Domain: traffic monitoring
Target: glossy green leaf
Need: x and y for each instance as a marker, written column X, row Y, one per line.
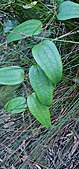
column 68, row 10
column 16, row 105
column 41, row 84
column 27, row 28
column 48, row 58
column 11, row 75
column 39, row 111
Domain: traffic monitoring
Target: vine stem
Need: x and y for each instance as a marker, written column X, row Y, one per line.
column 67, row 34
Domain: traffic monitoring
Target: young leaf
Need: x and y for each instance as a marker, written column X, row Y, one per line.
column 11, row 75
column 39, row 111
column 48, row 58
column 27, row 28
column 68, row 10
column 41, row 84
column 16, row 105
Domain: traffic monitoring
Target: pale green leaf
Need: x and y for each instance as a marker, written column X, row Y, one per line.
column 39, row 111
column 68, row 10
column 11, row 75
column 25, row 29
column 41, row 84
column 16, row 105
column 48, row 58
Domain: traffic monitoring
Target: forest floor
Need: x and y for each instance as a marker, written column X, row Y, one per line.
column 24, row 143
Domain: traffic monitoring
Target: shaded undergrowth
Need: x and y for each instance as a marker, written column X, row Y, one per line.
column 24, row 142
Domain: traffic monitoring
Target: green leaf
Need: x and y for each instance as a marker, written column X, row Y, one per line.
column 41, row 84
column 16, row 105
column 39, row 111
column 48, row 58
column 11, row 75
column 68, row 10
column 27, row 28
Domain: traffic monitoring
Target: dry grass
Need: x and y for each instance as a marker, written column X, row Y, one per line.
column 25, row 144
